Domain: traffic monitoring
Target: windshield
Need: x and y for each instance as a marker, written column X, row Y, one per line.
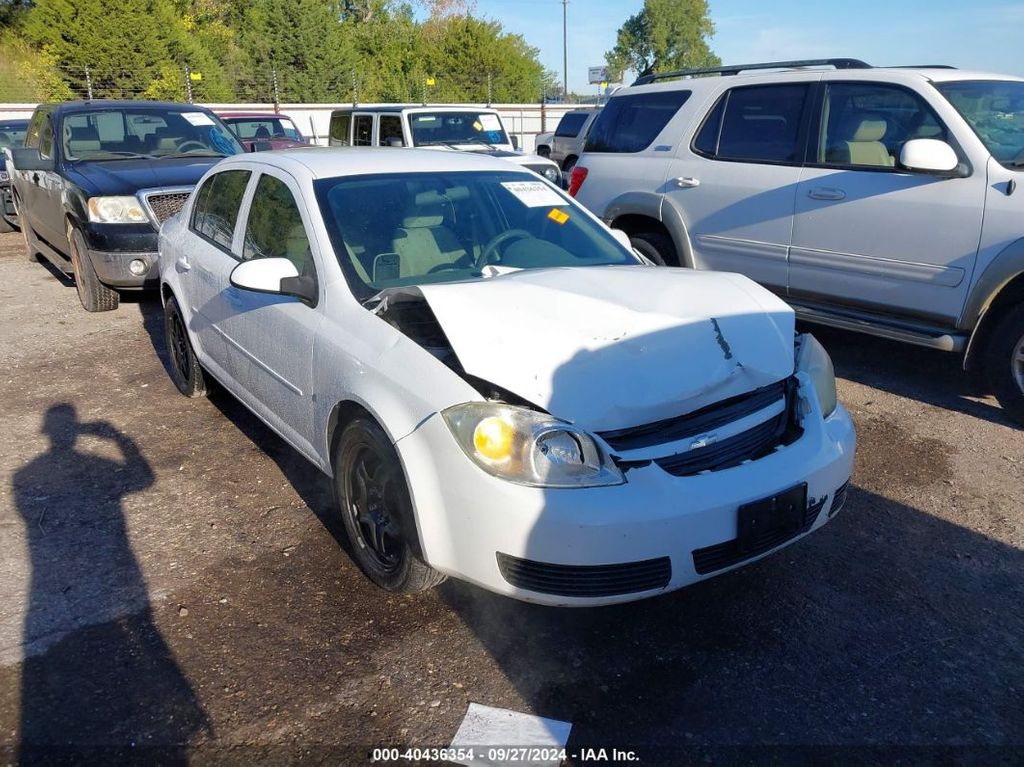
column 250, row 128
column 440, row 128
column 146, row 132
column 393, row 230
column 995, row 110
column 13, row 134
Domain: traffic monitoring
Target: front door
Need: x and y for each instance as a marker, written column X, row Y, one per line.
column 870, row 235
column 736, row 184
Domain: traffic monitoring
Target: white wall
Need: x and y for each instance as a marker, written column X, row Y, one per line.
column 523, row 120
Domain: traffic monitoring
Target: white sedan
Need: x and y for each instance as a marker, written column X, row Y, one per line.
column 501, row 390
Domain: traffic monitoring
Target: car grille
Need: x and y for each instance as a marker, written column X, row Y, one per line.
column 698, row 422
column 165, row 205
column 586, row 580
column 723, row 555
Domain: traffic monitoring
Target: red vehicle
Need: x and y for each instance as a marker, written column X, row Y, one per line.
column 264, row 130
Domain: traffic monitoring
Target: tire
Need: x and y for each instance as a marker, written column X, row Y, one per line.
column 94, row 295
column 6, row 226
column 569, row 164
column 544, row 151
column 372, row 496
column 184, row 367
column 657, row 247
column 1004, row 363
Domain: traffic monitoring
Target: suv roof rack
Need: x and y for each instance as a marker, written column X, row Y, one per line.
column 651, row 77
column 923, row 66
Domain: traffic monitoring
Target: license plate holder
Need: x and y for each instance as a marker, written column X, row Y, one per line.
column 780, row 512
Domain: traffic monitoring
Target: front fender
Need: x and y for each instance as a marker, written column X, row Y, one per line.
column 658, row 207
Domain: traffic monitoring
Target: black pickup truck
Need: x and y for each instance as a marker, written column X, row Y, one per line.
column 96, row 179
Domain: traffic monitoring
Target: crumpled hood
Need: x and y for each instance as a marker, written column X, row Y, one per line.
column 113, row 177
column 617, row 346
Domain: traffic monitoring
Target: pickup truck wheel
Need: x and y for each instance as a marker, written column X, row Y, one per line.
column 94, row 295
column 186, row 372
column 1004, row 363
column 373, row 497
column 657, row 247
column 5, row 226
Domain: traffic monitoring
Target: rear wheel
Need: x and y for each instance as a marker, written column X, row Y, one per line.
column 184, row 367
column 1004, row 363
column 658, row 247
column 94, row 295
column 373, row 498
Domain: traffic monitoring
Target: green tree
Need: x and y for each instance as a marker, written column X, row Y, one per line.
column 665, row 35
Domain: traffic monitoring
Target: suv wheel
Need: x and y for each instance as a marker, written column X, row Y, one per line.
column 658, row 247
column 94, row 295
column 373, row 497
column 1004, row 363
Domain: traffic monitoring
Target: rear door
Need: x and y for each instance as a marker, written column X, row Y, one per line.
column 735, row 183
column 207, row 262
column 870, row 235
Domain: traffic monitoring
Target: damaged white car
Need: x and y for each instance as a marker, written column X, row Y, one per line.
column 500, row 388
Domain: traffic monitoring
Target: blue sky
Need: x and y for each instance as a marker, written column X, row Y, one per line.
column 976, row 34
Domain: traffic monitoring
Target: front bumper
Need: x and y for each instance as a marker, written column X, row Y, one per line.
column 489, row 531
column 113, row 248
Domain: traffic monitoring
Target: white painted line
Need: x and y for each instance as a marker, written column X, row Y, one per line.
column 484, row 727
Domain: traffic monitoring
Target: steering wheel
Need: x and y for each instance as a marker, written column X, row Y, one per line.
column 191, row 146
column 498, row 240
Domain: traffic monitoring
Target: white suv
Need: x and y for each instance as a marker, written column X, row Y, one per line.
column 874, row 199
column 565, row 145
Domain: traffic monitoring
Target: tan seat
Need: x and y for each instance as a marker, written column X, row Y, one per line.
column 862, row 144
column 423, row 242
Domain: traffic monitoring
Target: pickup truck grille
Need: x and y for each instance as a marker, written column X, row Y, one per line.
column 163, row 205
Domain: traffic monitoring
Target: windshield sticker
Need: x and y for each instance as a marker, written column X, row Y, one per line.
column 534, row 194
column 490, row 122
column 197, row 118
column 478, row 126
column 558, row 216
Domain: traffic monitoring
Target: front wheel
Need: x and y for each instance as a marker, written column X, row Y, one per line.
column 1004, row 363
column 94, row 295
column 373, row 498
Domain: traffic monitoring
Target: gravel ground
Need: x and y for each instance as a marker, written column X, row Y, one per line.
column 173, row 576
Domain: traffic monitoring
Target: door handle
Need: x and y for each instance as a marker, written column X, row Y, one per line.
column 182, row 264
column 827, row 193
column 687, row 182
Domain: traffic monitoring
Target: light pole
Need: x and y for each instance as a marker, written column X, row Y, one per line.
column 565, row 51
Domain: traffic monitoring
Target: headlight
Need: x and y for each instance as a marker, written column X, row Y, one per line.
column 529, row 448
column 4, row 176
column 814, row 360
column 116, row 210
column 552, row 174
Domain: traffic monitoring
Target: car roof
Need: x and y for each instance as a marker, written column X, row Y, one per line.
column 111, row 104
column 260, row 115
column 329, row 162
column 415, row 107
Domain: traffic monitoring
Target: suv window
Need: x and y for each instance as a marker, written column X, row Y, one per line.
column 340, row 124
column 759, row 123
column 570, row 124
column 217, row 203
column 275, row 228
column 866, row 124
column 390, row 126
column 631, row 123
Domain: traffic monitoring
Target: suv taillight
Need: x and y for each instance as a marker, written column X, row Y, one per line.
column 579, row 175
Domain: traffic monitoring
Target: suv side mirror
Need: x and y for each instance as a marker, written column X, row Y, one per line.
column 929, row 155
column 276, row 276
column 28, row 158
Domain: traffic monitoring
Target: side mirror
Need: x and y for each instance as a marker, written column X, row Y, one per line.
column 515, row 143
column 28, row 158
column 276, row 276
column 929, row 155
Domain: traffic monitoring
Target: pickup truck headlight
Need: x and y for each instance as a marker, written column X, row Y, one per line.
column 117, row 210
column 811, row 358
column 529, row 448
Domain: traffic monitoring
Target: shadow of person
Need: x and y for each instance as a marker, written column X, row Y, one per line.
column 96, row 671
